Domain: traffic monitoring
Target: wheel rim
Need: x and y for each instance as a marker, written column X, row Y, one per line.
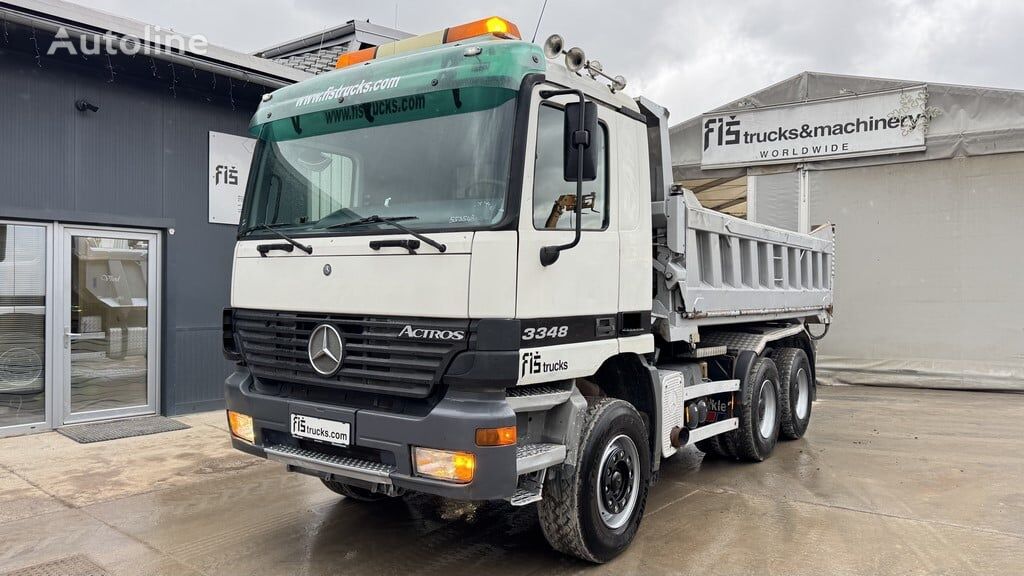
column 766, row 409
column 618, row 482
column 803, row 394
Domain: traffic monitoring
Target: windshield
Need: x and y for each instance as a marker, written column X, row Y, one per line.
column 437, row 161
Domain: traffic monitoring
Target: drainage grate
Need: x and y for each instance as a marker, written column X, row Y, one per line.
column 114, row 429
column 77, row 565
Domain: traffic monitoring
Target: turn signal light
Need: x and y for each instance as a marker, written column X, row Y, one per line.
column 241, row 426
column 496, row 436
column 444, row 464
column 350, row 58
column 494, row 25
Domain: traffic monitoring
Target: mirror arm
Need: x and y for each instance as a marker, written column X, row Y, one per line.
column 549, row 254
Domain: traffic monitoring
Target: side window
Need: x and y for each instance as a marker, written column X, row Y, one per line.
column 3, row 242
column 554, row 199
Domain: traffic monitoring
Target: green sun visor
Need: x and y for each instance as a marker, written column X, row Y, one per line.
column 435, row 82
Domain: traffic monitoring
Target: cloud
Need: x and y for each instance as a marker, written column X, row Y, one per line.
column 689, row 55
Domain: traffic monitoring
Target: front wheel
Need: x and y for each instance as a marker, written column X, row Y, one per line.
column 592, row 507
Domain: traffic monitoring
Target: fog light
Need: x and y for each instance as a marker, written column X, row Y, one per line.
column 496, row 436
column 444, row 465
column 241, row 426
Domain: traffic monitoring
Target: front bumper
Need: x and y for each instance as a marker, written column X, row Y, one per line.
column 450, row 425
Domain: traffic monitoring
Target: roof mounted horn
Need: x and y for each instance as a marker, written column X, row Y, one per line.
column 576, row 60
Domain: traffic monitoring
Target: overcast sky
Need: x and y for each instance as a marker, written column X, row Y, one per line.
column 689, row 55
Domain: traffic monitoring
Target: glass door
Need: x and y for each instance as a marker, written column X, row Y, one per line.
column 24, row 298
column 109, row 304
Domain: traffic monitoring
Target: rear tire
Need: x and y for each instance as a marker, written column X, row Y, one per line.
column 592, row 507
column 353, row 492
column 796, row 390
column 759, row 413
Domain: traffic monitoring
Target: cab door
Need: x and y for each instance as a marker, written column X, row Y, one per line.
column 573, row 301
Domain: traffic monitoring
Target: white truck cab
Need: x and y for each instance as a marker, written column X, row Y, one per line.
column 462, row 269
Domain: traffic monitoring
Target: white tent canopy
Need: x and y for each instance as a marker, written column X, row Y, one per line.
column 929, row 266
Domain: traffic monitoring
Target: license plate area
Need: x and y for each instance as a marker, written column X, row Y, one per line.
column 322, row 430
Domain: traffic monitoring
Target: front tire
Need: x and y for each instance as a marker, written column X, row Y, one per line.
column 592, row 507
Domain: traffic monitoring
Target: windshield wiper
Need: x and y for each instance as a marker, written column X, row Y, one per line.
column 252, row 229
column 263, row 248
column 393, row 221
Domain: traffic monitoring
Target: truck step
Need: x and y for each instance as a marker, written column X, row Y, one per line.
column 524, row 496
column 365, row 470
column 530, row 488
column 534, row 457
column 536, row 398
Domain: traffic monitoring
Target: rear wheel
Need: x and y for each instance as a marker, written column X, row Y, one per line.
column 795, row 388
column 759, row 413
column 592, row 507
column 353, row 492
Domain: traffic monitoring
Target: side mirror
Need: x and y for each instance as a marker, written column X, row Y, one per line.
column 580, row 160
column 576, row 133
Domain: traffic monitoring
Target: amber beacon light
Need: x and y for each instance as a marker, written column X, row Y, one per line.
column 494, row 26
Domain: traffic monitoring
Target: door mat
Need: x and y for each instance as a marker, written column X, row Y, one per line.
column 114, row 429
column 77, row 565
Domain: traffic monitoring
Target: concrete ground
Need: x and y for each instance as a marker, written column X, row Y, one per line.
column 887, row 481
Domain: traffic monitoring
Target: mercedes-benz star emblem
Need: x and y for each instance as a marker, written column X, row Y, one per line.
column 326, row 349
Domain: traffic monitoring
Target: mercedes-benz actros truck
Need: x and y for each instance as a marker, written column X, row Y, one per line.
column 463, row 269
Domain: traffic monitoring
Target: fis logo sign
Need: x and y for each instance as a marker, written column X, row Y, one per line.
column 533, row 363
column 723, row 132
column 225, row 175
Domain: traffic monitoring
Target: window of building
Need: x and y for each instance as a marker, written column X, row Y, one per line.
column 554, row 198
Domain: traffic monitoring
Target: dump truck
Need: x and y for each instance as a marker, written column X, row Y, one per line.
column 463, row 269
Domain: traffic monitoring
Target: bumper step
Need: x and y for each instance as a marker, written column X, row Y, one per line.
column 365, row 470
column 526, row 495
column 536, row 398
column 534, row 457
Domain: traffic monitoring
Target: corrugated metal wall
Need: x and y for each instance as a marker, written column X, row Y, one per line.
column 141, row 160
column 930, row 272
column 776, row 199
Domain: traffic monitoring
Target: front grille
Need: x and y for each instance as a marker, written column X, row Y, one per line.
column 376, row 359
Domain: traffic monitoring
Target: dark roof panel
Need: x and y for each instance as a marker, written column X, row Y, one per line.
column 317, row 53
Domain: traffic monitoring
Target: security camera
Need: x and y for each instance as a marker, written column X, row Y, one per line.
column 83, row 105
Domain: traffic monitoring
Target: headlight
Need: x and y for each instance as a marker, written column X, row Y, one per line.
column 444, row 465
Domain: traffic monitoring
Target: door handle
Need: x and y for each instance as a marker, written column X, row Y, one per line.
column 67, row 337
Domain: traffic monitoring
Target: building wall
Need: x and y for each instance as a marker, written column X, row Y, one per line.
column 930, row 272
column 775, row 199
column 140, row 161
